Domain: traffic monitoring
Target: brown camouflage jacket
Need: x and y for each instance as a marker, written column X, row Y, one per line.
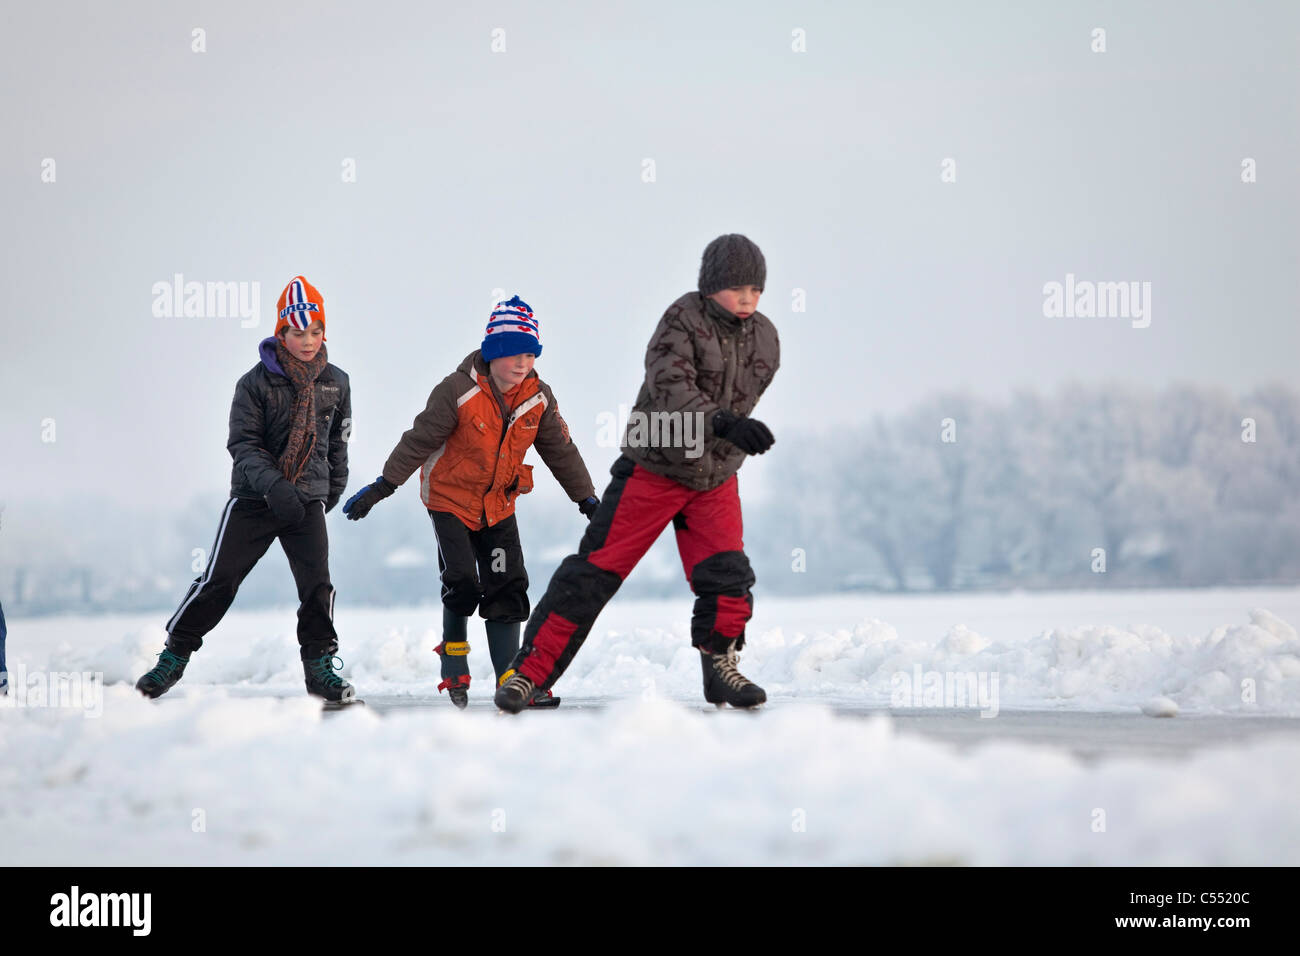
column 701, row 358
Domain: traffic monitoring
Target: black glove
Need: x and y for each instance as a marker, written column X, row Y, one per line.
column 330, row 502
column 359, row 505
column 284, row 500
column 588, row 506
column 748, row 434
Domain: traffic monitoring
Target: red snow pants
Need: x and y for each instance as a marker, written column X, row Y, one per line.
column 636, row 507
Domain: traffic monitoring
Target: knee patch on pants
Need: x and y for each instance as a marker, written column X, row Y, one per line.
column 579, row 589
column 723, row 600
column 577, row 593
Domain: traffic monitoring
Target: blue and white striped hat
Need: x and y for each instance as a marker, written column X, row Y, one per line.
column 511, row 330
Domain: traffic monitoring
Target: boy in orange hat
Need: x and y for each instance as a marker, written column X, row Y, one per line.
column 287, row 425
column 469, row 445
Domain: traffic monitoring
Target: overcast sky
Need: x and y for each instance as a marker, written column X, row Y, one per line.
column 524, row 170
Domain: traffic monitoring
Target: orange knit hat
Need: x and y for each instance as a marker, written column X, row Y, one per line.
column 300, row 304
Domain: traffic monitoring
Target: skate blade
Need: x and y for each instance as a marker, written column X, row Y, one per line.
column 342, row 704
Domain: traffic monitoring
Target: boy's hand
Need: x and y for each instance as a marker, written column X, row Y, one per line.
column 359, row 505
column 748, row 434
column 588, row 506
column 285, row 502
column 330, row 502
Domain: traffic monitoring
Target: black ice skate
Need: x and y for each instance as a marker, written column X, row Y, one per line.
column 544, row 699
column 457, row 689
column 515, row 692
column 164, row 675
column 723, row 684
column 540, row 699
column 323, row 682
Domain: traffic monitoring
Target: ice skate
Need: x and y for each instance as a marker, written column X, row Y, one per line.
column 457, row 689
column 515, row 692
column 724, row 684
column 164, row 675
column 324, row 683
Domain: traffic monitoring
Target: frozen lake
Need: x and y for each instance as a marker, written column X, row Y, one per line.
column 237, row 766
column 1086, row 735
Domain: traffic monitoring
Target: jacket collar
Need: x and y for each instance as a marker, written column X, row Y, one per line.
column 728, row 320
column 266, row 353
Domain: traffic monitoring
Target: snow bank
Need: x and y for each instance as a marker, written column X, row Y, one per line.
column 1240, row 668
column 209, row 778
column 1102, row 667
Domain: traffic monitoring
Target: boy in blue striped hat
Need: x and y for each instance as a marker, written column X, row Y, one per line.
column 469, row 445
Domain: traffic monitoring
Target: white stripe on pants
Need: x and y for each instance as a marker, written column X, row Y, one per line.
column 207, row 572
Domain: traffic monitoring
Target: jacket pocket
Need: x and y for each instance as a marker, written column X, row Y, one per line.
column 324, row 425
column 710, row 367
column 522, row 482
column 447, row 469
column 476, row 453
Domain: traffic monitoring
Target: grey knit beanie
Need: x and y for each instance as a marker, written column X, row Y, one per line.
column 731, row 260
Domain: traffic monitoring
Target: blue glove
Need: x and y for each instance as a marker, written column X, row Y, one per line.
column 588, row 506
column 359, row 505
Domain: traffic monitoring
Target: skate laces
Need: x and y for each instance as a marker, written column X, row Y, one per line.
column 519, row 684
column 323, row 669
column 724, row 665
column 168, row 664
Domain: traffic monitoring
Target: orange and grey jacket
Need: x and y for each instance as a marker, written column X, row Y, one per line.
column 471, row 457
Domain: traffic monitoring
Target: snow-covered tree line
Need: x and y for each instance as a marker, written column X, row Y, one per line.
column 1185, row 486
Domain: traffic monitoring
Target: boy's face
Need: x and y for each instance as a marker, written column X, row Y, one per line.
column 304, row 344
column 740, row 300
column 509, row 370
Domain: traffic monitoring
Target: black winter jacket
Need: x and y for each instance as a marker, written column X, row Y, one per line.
column 259, row 430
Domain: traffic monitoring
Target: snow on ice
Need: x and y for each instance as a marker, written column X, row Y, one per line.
column 237, row 766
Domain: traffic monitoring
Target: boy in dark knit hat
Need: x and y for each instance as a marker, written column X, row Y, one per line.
column 288, row 427
column 469, row 445
column 711, row 357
